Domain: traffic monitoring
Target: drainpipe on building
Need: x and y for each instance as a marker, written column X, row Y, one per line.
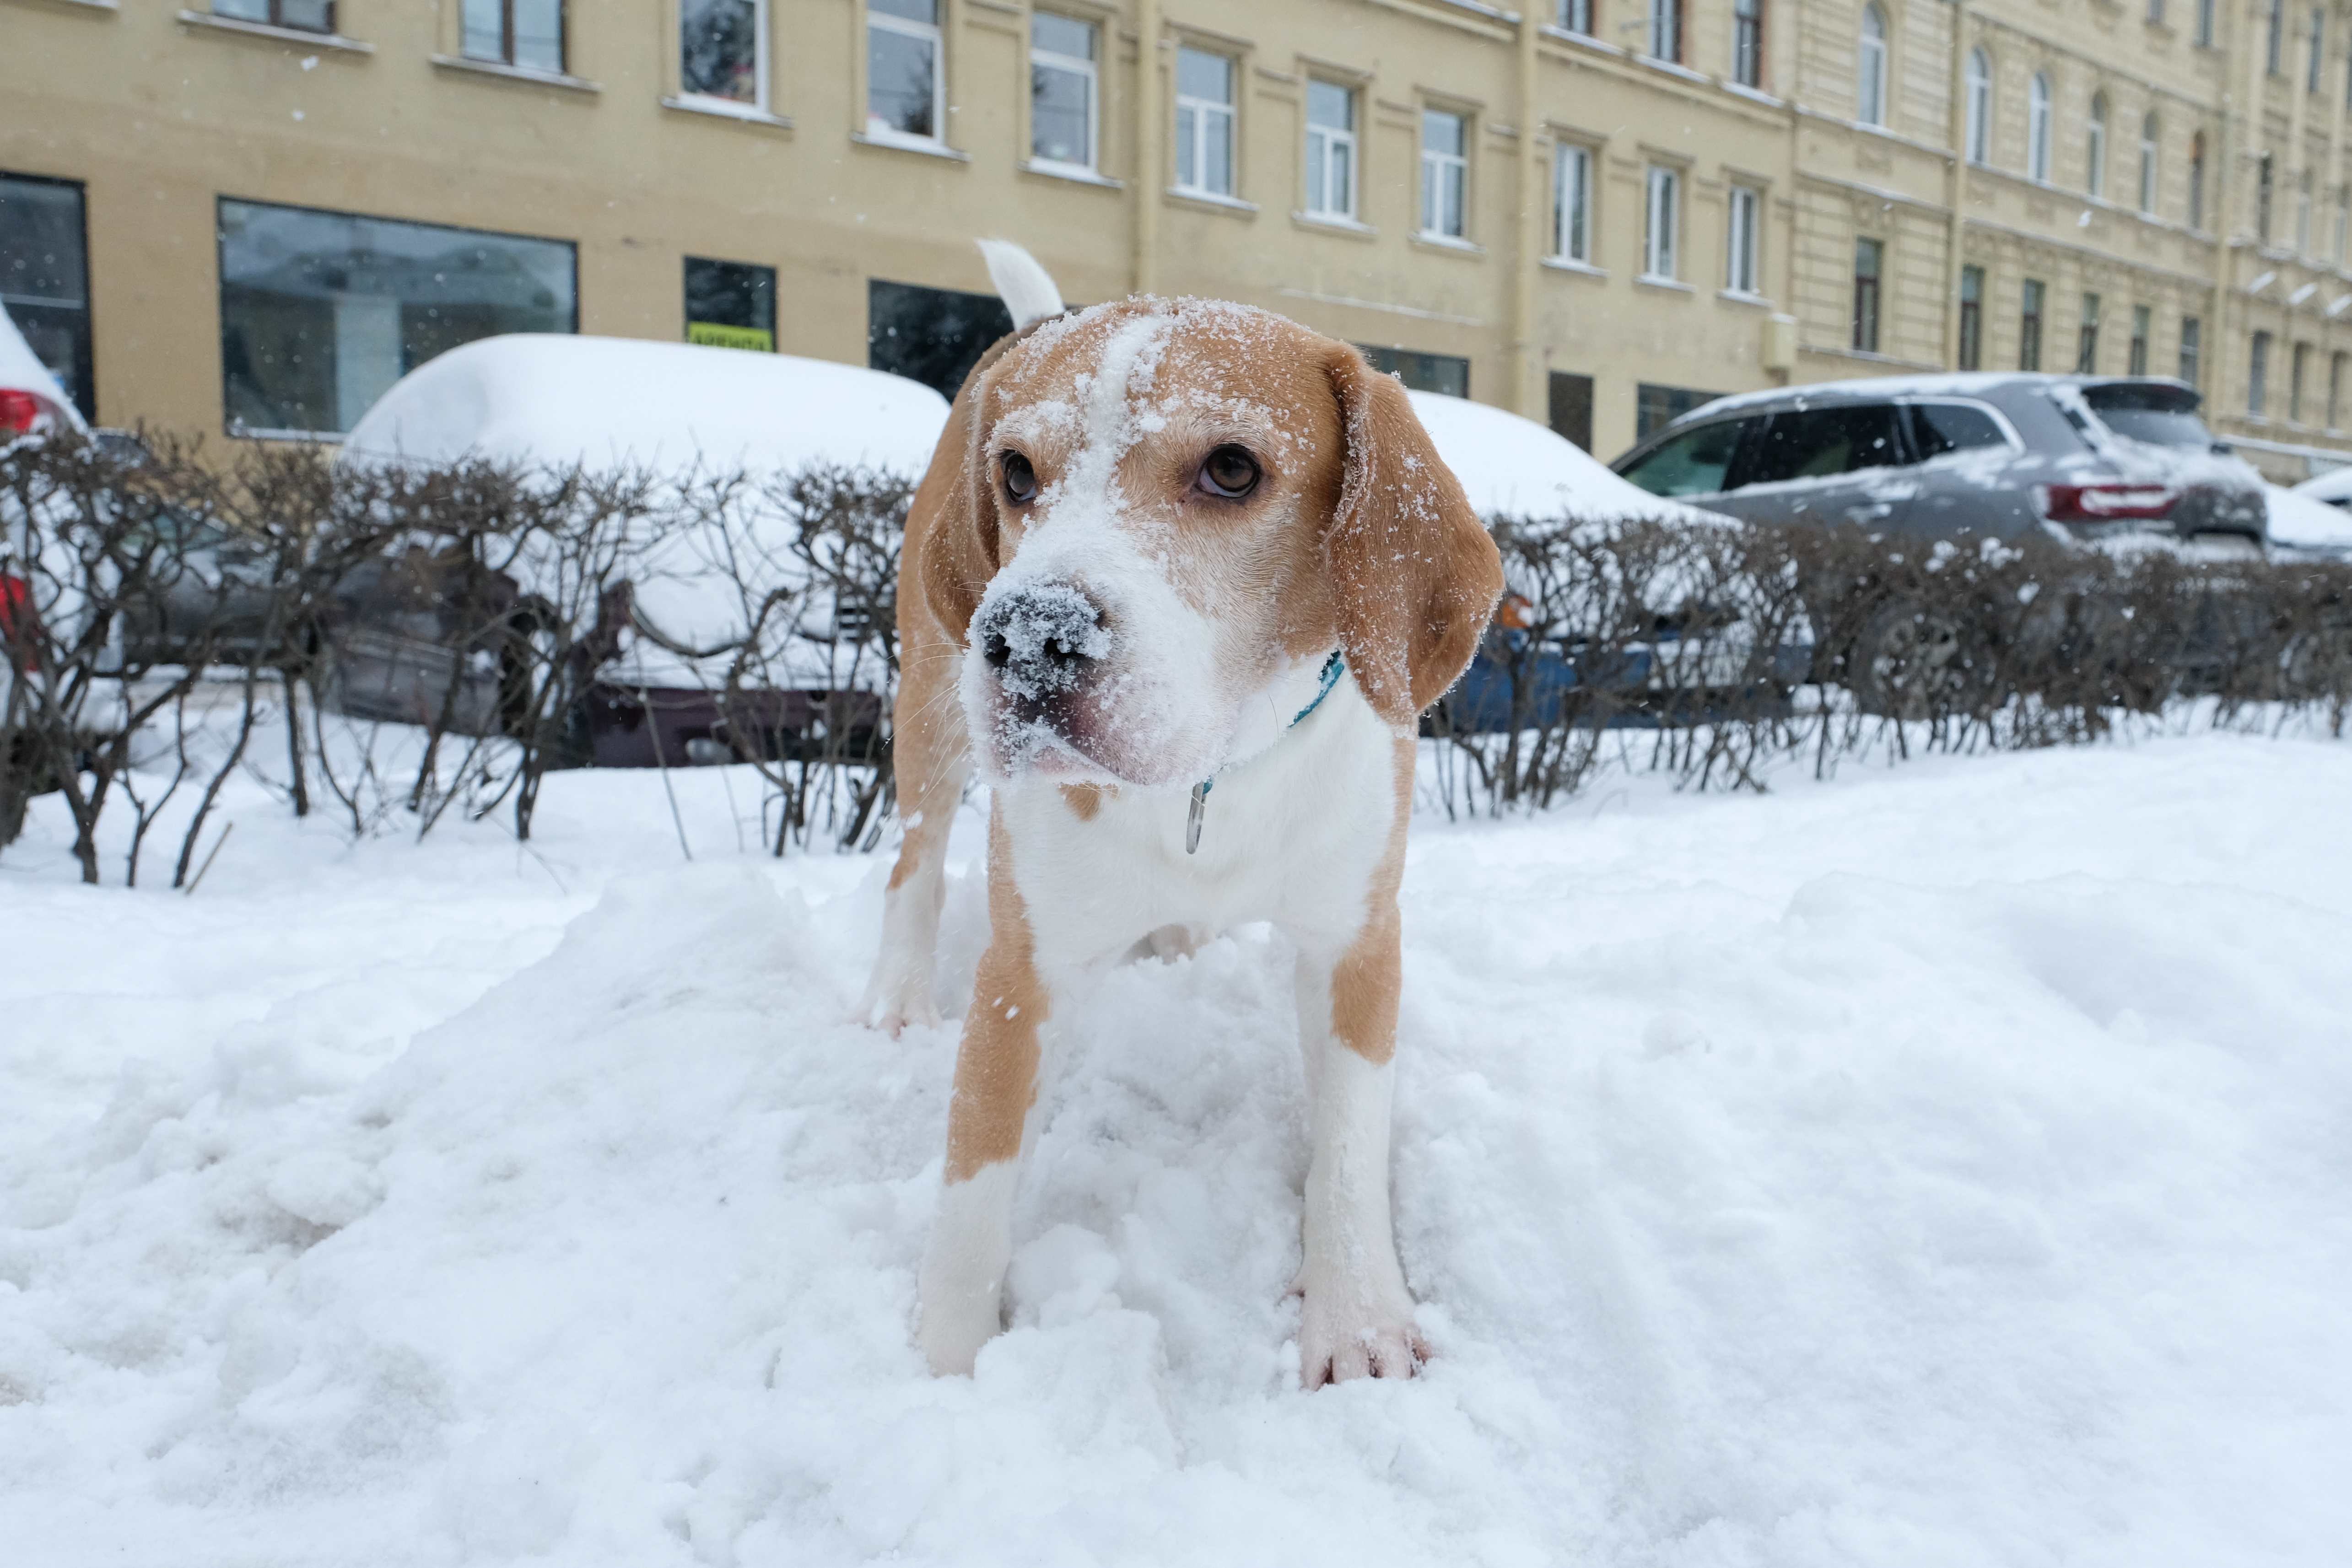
column 1150, row 159
column 1527, row 354
column 1956, row 133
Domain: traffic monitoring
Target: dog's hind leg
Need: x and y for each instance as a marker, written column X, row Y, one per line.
column 999, row 1082
column 933, row 763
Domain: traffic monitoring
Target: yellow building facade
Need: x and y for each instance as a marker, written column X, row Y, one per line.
column 250, row 216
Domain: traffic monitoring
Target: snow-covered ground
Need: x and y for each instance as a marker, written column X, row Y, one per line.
column 1947, row 1165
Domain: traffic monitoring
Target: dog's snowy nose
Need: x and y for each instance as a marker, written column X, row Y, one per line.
column 1042, row 638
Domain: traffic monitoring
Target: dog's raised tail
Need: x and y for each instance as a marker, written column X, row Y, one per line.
column 1026, row 289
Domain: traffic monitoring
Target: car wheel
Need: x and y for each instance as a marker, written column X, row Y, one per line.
column 1906, row 664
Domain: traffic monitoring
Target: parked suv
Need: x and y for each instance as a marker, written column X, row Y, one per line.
column 2083, row 457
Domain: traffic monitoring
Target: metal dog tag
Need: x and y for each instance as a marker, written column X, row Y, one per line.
column 1192, row 820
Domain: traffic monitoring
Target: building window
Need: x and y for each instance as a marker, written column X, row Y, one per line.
column 2147, row 145
column 1656, row 407
column 526, row 34
column 1064, row 94
column 1421, row 373
column 2303, row 215
column 1745, row 220
column 2136, row 365
column 903, row 86
column 1665, row 214
column 731, row 305
column 320, row 312
column 1972, row 317
column 1330, row 151
column 2319, row 39
column 2197, row 181
column 1575, row 15
column 1667, row 30
column 2343, row 221
column 1747, row 42
column 2258, row 371
column 2274, row 36
column 2204, row 24
column 1570, row 408
column 307, row 16
column 2335, row 390
column 2094, row 174
column 1979, row 102
column 1572, row 209
column 933, row 335
column 2028, row 327
column 1445, row 171
column 2295, row 367
column 2156, row 11
column 722, row 50
column 2190, row 334
column 2037, row 129
column 1870, row 68
column 2086, row 345
column 2262, row 196
column 1869, row 256
column 1204, row 123
column 45, row 279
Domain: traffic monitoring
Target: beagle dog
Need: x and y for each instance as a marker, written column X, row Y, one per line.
column 1179, row 580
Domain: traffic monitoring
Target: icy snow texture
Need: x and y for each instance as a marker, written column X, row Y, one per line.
column 2304, row 521
column 1943, row 1165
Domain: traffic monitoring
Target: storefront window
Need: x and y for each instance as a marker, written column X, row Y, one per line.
column 320, row 312
column 730, row 304
column 45, row 279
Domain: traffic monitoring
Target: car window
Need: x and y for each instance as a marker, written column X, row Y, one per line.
column 1691, row 464
column 1808, row 443
column 2151, row 412
column 1940, row 427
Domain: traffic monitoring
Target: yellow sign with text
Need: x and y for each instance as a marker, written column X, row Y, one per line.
column 713, row 335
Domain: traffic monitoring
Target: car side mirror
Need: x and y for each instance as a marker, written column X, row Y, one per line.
column 2223, row 449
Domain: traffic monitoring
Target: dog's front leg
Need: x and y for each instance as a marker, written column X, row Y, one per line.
column 1356, row 1315
column 997, row 1080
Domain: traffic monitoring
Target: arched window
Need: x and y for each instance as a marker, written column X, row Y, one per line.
column 2094, row 176
column 2148, row 139
column 1870, row 75
column 1980, row 106
column 2037, row 129
column 2197, row 181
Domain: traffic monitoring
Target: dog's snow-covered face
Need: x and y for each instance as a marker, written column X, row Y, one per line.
column 1160, row 476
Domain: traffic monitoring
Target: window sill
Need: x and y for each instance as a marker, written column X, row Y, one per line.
column 1232, row 205
column 109, row 6
column 1673, row 68
column 1653, row 280
column 1584, row 40
column 504, row 72
column 1076, row 174
column 1753, row 94
column 923, row 145
column 1735, row 296
column 1449, row 243
column 307, row 39
column 726, row 109
column 1565, row 264
column 1331, row 224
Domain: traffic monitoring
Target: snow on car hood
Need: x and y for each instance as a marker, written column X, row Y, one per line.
column 677, row 410
column 21, row 370
column 2301, row 521
column 1514, row 467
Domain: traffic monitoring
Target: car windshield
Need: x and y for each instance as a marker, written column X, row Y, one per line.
column 2151, row 412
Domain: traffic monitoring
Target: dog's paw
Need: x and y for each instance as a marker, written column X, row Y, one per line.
column 1346, row 1331
column 890, row 1008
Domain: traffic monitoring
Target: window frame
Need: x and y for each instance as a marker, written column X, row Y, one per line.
column 1743, row 209
column 1979, row 88
column 935, row 34
column 1200, row 109
column 505, row 57
column 1664, row 35
column 2197, row 181
column 276, row 17
column 1565, row 155
column 2143, row 320
column 1870, row 55
column 2319, row 47
column 2037, row 129
column 1436, row 165
column 1970, row 347
column 2275, row 46
column 762, row 74
column 1661, row 225
column 1089, row 71
column 2298, row 360
column 2151, row 147
column 1574, row 16
column 1747, row 43
column 2336, row 362
column 83, row 392
column 2192, row 348
column 1352, row 138
column 2087, row 341
column 2094, row 149
column 1869, row 292
column 2032, row 298
column 2258, row 362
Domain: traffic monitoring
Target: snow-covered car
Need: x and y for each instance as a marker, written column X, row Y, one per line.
column 2082, row 458
column 2309, row 521
column 679, row 413
column 31, row 401
column 1512, row 468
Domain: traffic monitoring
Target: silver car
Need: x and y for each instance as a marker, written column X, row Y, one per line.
column 2079, row 457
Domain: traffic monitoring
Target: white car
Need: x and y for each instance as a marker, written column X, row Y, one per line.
column 31, row 402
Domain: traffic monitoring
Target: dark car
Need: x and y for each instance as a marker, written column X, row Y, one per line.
column 2078, row 457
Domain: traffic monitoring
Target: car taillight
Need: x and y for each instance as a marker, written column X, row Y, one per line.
column 18, row 409
column 2105, row 503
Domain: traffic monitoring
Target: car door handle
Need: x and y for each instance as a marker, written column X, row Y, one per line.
column 1876, row 512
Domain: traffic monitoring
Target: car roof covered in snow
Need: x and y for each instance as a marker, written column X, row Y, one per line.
column 21, row 370
column 557, row 398
column 2335, row 486
column 1877, row 389
column 1514, row 467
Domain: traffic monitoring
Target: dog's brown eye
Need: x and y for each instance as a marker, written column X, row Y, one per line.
column 1230, row 471
column 1020, row 479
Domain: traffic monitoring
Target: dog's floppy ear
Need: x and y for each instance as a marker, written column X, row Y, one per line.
column 1413, row 574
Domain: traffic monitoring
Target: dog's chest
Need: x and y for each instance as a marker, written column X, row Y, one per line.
column 1291, row 836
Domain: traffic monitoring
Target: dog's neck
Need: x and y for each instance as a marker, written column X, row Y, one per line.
column 1333, row 668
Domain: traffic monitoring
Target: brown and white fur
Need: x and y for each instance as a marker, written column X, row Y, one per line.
column 1114, row 637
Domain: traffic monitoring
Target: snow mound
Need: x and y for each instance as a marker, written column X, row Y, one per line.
column 1514, row 467
column 2305, row 521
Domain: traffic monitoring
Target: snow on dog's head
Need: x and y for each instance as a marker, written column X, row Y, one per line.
column 1166, row 510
